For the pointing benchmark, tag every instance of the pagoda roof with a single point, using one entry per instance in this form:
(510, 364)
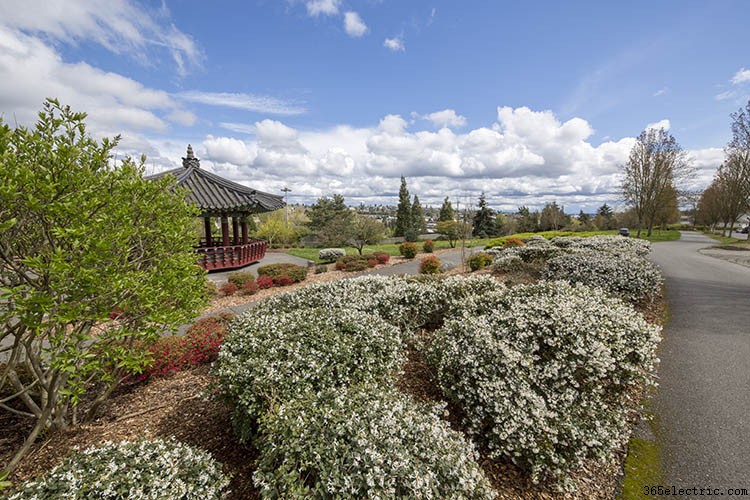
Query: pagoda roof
(214, 194)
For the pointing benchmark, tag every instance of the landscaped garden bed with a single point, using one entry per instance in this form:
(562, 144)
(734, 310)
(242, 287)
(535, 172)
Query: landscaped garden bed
(505, 392)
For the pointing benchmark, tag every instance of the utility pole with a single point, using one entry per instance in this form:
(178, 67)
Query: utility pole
(286, 190)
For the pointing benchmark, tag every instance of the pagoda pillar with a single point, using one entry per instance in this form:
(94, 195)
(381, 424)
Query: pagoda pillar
(207, 230)
(224, 230)
(235, 231)
(243, 223)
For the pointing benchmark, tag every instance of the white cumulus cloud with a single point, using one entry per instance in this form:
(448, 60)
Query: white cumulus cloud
(742, 76)
(446, 118)
(325, 7)
(396, 44)
(354, 25)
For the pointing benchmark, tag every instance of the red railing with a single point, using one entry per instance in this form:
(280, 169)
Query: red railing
(232, 256)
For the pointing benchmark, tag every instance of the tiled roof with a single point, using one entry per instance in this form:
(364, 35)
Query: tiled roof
(215, 194)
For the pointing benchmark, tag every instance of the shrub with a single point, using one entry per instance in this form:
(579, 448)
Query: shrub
(381, 257)
(428, 246)
(239, 278)
(367, 442)
(295, 272)
(356, 262)
(228, 288)
(408, 250)
(282, 280)
(199, 345)
(211, 290)
(271, 359)
(479, 261)
(264, 282)
(513, 242)
(430, 265)
(249, 288)
(372, 262)
(357, 265)
(149, 469)
(322, 268)
(541, 373)
(331, 254)
(611, 243)
(623, 274)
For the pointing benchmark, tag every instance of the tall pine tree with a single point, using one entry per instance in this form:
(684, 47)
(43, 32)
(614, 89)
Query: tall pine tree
(484, 220)
(446, 211)
(418, 224)
(403, 213)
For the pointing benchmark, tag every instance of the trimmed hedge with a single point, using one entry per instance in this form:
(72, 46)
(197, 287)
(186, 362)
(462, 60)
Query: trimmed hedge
(295, 272)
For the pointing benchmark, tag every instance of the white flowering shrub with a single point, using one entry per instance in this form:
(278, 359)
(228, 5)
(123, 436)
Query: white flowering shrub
(365, 442)
(530, 253)
(270, 359)
(624, 274)
(613, 244)
(331, 254)
(144, 469)
(542, 371)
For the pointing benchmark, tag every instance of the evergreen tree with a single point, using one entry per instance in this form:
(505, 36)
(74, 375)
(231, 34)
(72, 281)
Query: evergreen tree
(403, 212)
(418, 223)
(583, 218)
(527, 222)
(484, 220)
(446, 211)
(605, 218)
(326, 210)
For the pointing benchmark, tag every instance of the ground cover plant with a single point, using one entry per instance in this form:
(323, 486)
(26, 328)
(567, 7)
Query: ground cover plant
(148, 469)
(294, 272)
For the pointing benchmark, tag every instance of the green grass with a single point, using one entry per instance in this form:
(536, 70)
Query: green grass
(311, 253)
(658, 235)
(642, 469)
(724, 239)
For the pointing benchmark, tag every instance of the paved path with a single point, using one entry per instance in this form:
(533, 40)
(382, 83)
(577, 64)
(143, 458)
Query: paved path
(703, 402)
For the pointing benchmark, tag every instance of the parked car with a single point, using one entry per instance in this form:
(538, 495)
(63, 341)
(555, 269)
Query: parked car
(744, 230)
(624, 231)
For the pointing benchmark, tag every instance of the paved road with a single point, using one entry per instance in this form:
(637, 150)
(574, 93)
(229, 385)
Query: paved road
(703, 402)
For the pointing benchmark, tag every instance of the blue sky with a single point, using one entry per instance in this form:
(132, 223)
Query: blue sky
(528, 101)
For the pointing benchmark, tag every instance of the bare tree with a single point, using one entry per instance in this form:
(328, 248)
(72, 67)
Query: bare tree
(733, 199)
(738, 150)
(656, 167)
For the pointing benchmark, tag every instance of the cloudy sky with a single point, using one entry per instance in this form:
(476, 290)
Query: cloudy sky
(529, 102)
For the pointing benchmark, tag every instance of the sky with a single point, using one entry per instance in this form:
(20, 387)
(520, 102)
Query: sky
(528, 102)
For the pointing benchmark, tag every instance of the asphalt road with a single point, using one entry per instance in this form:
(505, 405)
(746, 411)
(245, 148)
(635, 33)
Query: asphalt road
(703, 402)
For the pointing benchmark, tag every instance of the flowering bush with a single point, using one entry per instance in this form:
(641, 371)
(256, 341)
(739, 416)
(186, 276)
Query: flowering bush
(430, 265)
(271, 359)
(541, 372)
(228, 288)
(624, 274)
(611, 243)
(479, 261)
(408, 250)
(365, 442)
(148, 469)
(331, 254)
(295, 272)
(264, 282)
(428, 246)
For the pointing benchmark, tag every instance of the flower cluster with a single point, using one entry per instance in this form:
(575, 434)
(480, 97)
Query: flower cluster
(148, 469)
(541, 372)
(364, 442)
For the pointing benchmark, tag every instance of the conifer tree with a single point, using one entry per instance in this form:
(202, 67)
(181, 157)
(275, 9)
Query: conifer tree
(403, 212)
(446, 211)
(484, 220)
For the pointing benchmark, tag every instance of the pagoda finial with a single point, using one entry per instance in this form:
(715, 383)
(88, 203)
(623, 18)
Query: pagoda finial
(190, 160)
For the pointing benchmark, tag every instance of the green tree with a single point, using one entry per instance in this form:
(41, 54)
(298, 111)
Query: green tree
(453, 230)
(484, 220)
(501, 223)
(80, 238)
(365, 231)
(605, 218)
(325, 210)
(403, 211)
(527, 221)
(446, 211)
(418, 224)
(275, 229)
(552, 217)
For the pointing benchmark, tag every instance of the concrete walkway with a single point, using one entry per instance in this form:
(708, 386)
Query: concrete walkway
(703, 400)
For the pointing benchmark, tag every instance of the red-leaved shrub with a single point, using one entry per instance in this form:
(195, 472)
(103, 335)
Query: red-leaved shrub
(228, 288)
(381, 257)
(430, 265)
(428, 246)
(264, 282)
(249, 288)
(408, 250)
(514, 242)
(282, 280)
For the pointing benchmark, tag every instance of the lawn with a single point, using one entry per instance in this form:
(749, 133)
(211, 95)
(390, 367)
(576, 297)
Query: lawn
(725, 240)
(659, 235)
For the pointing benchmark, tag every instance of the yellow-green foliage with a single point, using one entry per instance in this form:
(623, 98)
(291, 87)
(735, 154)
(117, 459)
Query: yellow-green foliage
(496, 242)
(642, 469)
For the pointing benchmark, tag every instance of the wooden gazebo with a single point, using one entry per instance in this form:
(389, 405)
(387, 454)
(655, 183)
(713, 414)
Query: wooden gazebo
(224, 199)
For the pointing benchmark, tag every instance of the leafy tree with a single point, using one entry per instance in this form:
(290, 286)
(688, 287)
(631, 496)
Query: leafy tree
(656, 165)
(527, 221)
(274, 228)
(80, 240)
(446, 211)
(552, 217)
(366, 231)
(453, 230)
(484, 219)
(403, 212)
(418, 223)
(501, 224)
